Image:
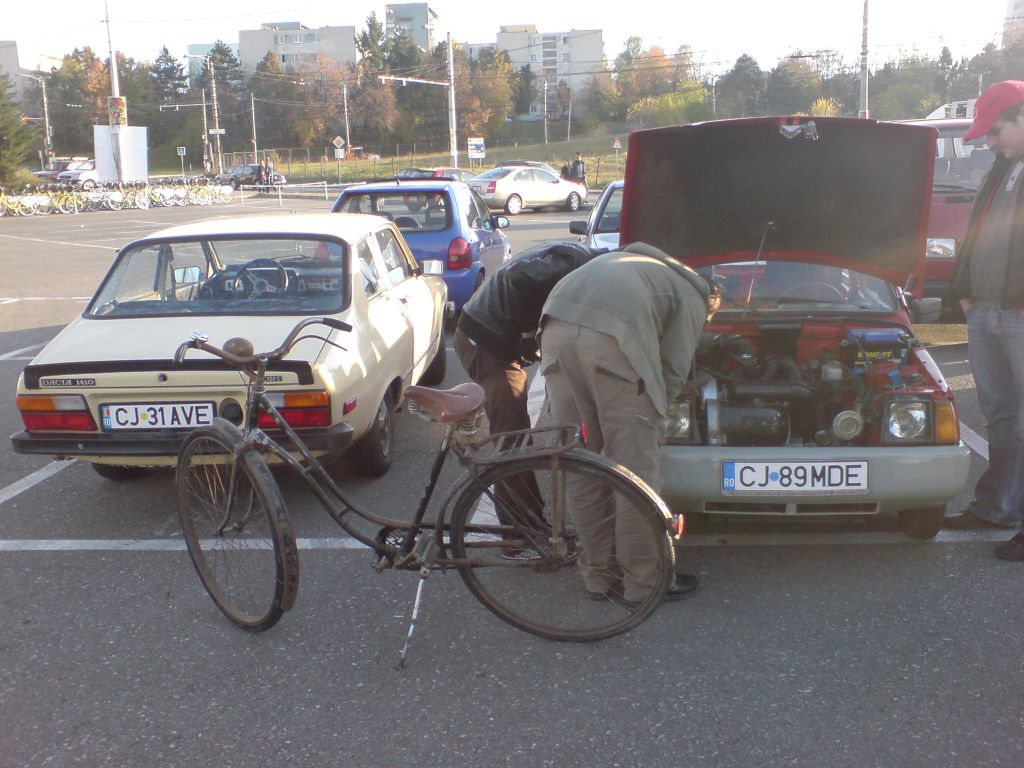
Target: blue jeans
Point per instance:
(995, 346)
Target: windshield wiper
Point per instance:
(962, 187)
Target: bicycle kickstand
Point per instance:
(426, 552)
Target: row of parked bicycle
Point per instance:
(44, 199)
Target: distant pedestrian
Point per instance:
(578, 171)
(566, 172)
(261, 175)
(989, 282)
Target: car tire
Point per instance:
(117, 473)
(235, 185)
(513, 205)
(88, 185)
(572, 203)
(922, 523)
(435, 372)
(373, 452)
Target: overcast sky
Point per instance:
(717, 32)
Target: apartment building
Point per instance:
(573, 57)
(296, 44)
(1013, 25)
(415, 19)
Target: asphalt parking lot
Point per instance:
(827, 646)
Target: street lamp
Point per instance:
(47, 148)
(216, 131)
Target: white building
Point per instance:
(415, 19)
(295, 44)
(573, 57)
(1013, 26)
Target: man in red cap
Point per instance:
(989, 282)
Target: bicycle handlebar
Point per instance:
(200, 341)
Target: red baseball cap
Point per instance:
(991, 104)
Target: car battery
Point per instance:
(863, 347)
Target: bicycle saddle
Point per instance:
(448, 405)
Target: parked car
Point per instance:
(810, 394)
(516, 187)
(82, 173)
(52, 170)
(456, 174)
(442, 220)
(237, 175)
(530, 163)
(601, 230)
(105, 391)
(959, 168)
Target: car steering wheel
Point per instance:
(262, 286)
(805, 288)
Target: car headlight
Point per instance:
(940, 248)
(677, 423)
(908, 421)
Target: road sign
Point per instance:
(338, 142)
(616, 145)
(476, 149)
(181, 151)
(339, 154)
(217, 131)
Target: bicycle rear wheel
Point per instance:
(236, 528)
(570, 548)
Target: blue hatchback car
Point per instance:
(439, 219)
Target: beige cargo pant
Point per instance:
(590, 381)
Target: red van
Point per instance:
(959, 168)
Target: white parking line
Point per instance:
(21, 351)
(58, 242)
(30, 481)
(700, 540)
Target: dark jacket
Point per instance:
(579, 170)
(509, 303)
(1013, 283)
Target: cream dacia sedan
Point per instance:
(105, 389)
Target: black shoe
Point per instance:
(968, 521)
(686, 584)
(1012, 549)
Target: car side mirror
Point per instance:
(578, 227)
(926, 310)
(433, 267)
(499, 222)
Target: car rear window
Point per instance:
(412, 210)
(496, 173)
(225, 276)
(960, 164)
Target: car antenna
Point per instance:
(768, 227)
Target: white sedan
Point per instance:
(513, 188)
(106, 391)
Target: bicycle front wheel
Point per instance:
(570, 548)
(236, 528)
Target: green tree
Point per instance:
(688, 104)
(791, 87)
(740, 91)
(17, 139)
(523, 89)
(370, 44)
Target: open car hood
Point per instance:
(847, 192)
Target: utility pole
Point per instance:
(568, 125)
(116, 108)
(205, 137)
(344, 96)
(47, 147)
(545, 110)
(863, 112)
(218, 158)
(452, 138)
(255, 150)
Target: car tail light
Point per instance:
(304, 408)
(492, 187)
(460, 255)
(55, 412)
